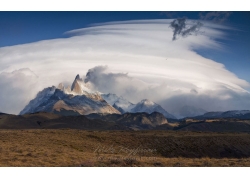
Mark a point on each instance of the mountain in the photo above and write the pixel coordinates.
(135, 121)
(77, 100)
(119, 103)
(238, 114)
(189, 111)
(124, 106)
(150, 107)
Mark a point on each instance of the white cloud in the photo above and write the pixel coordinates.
(171, 94)
(16, 89)
(143, 49)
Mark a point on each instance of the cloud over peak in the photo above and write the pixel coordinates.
(139, 57)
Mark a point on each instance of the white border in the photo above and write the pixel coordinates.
(123, 5)
(125, 173)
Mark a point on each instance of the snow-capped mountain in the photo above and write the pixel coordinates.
(119, 103)
(124, 106)
(41, 99)
(78, 99)
(189, 111)
(149, 106)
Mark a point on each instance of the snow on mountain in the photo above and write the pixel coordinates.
(119, 103)
(75, 100)
(149, 106)
(125, 105)
(110, 98)
(41, 99)
(145, 105)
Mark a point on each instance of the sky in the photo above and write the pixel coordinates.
(128, 53)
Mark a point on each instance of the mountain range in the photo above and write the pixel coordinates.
(127, 121)
(79, 99)
(237, 114)
(144, 105)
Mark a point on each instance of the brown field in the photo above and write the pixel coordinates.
(64, 147)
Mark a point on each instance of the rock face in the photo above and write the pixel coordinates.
(76, 86)
(69, 101)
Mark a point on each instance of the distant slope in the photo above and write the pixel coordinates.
(238, 114)
(215, 126)
(53, 121)
(133, 120)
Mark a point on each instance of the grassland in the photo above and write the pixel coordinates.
(65, 147)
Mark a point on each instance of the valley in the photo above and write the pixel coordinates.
(85, 148)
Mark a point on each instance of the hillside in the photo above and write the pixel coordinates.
(53, 121)
(136, 121)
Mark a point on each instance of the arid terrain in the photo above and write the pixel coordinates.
(68, 147)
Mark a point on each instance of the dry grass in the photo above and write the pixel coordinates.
(121, 148)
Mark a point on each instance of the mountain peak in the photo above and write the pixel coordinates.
(76, 87)
(77, 77)
(60, 86)
(149, 106)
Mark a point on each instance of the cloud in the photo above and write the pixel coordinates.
(134, 56)
(104, 81)
(171, 94)
(17, 88)
(218, 17)
(180, 28)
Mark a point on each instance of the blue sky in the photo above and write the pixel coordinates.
(26, 27)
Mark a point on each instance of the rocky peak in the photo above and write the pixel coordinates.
(76, 86)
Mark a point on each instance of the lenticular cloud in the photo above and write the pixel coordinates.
(138, 59)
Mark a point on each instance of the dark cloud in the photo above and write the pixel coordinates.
(216, 16)
(180, 28)
(178, 25)
(194, 29)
